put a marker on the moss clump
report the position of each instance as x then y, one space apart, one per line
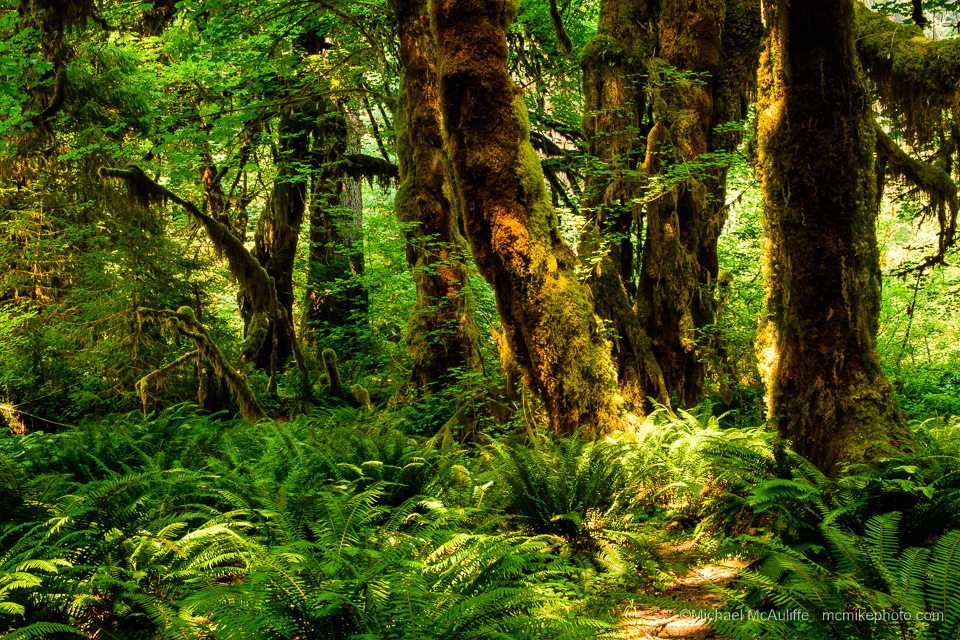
604 49
362 396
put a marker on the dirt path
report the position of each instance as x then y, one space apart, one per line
646 622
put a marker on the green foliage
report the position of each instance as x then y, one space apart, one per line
335 525
183 527
339 524
579 491
824 550
852 573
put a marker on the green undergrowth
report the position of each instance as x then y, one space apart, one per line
339 525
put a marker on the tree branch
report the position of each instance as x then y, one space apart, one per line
933 181
185 322
249 273
915 76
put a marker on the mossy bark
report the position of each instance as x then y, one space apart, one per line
660 304
710 50
614 65
278 230
916 77
512 228
825 388
184 322
442 336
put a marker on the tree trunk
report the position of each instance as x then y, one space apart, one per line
711 50
442 335
825 388
513 230
661 312
276 241
349 231
614 68
336 240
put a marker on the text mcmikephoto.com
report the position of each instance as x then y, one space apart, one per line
801 615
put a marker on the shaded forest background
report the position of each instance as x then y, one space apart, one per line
377 319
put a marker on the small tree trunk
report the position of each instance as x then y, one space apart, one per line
513 230
816 347
442 335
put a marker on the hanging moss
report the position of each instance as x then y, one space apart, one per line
916 77
244 267
184 322
258 287
933 181
357 166
156 378
62 15
140 188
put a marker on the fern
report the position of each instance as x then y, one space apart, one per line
44 631
943 586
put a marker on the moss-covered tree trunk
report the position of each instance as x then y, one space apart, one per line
512 228
336 297
711 51
825 388
347 232
661 305
278 229
442 334
614 65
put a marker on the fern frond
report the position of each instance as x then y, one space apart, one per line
41 630
943 586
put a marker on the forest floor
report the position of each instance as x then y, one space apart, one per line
644 622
